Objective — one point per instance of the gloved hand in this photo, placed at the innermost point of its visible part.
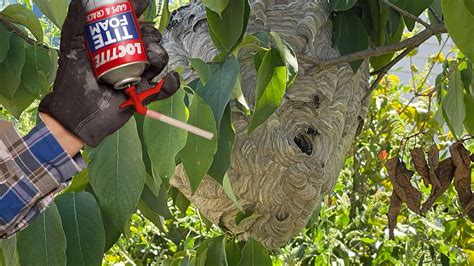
(89, 109)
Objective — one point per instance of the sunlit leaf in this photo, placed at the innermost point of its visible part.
(20, 15)
(453, 103)
(460, 24)
(271, 86)
(216, 5)
(165, 16)
(55, 10)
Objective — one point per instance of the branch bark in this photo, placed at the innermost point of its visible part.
(12, 28)
(415, 41)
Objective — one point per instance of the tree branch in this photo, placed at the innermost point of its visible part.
(415, 41)
(406, 13)
(12, 28)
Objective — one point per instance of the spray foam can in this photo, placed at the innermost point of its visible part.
(113, 42)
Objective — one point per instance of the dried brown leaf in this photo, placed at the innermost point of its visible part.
(400, 177)
(393, 212)
(433, 157)
(420, 164)
(462, 173)
(444, 173)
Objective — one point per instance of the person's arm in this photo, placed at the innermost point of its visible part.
(33, 169)
(70, 142)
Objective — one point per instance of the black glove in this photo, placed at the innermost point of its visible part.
(90, 109)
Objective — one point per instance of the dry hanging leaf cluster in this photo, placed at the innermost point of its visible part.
(434, 173)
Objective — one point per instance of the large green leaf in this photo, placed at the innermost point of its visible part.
(216, 255)
(453, 103)
(22, 99)
(416, 8)
(342, 5)
(460, 24)
(271, 86)
(216, 5)
(221, 162)
(4, 42)
(350, 36)
(218, 90)
(198, 153)
(21, 15)
(287, 55)
(233, 252)
(8, 252)
(117, 174)
(226, 29)
(163, 141)
(55, 10)
(44, 241)
(82, 223)
(255, 254)
(469, 120)
(10, 69)
(156, 202)
(202, 68)
(36, 69)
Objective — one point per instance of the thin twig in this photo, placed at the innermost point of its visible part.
(415, 41)
(433, 12)
(11, 27)
(406, 14)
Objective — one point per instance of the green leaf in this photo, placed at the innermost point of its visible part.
(201, 253)
(55, 10)
(20, 15)
(157, 203)
(165, 16)
(218, 90)
(216, 255)
(198, 153)
(229, 191)
(342, 5)
(8, 252)
(10, 69)
(227, 29)
(216, 5)
(44, 241)
(222, 158)
(36, 69)
(202, 68)
(469, 5)
(233, 252)
(79, 182)
(353, 36)
(53, 59)
(151, 12)
(287, 55)
(460, 24)
(255, 254)
(22, 99)
(117, 174)
(414, 7)
(4, 42)
(469, 120)
(163, 141)
(453, 103)
(271, 86)
(112, 234)
(83, 226)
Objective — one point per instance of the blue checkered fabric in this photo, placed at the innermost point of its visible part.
(33, 169)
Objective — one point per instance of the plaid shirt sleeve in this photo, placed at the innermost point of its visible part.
(33, 169)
